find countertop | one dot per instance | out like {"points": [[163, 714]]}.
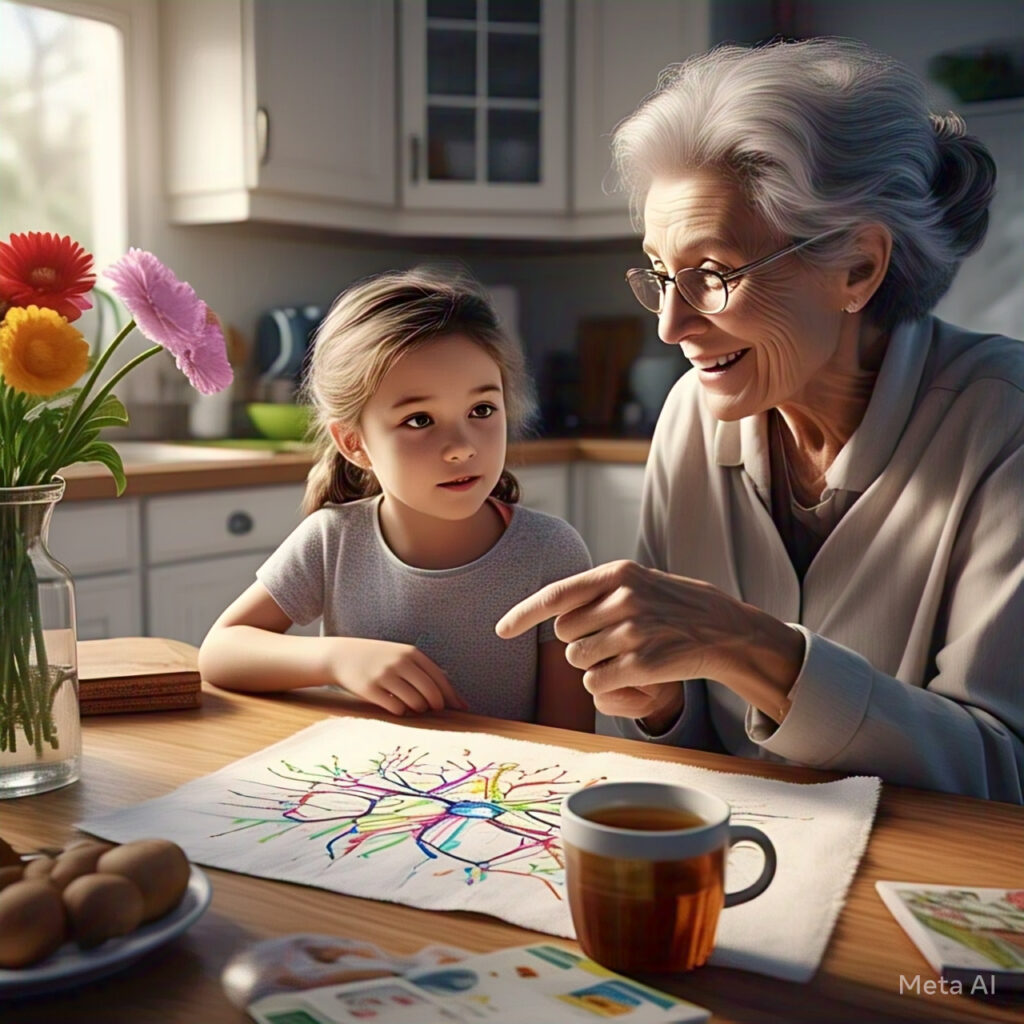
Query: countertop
{"points": [[91, 481]]}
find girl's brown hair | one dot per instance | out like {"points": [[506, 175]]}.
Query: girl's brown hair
{"points": [[368, 329]]}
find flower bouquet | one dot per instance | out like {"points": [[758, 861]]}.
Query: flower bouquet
{"points": [[47, 421]]}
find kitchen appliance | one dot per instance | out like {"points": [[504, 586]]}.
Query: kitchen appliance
{"points": [[283, 339]]}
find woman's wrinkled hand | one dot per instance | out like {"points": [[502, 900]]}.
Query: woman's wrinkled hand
{"points": [[637, 632], [395, 677]]}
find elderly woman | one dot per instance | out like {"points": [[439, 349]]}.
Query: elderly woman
{"points": [[831, 556]]}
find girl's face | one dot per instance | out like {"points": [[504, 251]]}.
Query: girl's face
{"points": [[434, 433], [781, 325]]}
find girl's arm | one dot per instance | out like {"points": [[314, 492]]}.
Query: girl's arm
{"points": [[562, 700], [247, 649]]}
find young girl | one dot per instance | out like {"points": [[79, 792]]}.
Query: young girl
{"points": [[413, 547]]}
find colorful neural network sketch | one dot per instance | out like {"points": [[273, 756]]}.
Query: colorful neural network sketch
{"points": [[478, 819]]}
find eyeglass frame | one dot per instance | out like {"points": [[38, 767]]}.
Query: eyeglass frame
{"points": [[725, 278]]}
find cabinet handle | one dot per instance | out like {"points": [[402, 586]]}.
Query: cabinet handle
{"points": [[262, 135], [414, 158], [240, 523]]}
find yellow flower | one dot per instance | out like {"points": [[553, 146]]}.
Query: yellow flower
{"points": [[40, 352]]}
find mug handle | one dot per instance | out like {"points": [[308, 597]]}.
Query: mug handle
{"points": [[741, 833]]}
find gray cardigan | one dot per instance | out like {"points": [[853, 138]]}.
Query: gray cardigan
{"points": [[913, 609]]}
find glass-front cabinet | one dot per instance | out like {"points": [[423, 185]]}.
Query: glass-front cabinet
{"points": [[484, 118]]}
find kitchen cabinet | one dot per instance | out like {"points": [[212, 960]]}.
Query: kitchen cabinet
{"points": [[280, 111], [606, 507], [285, 111], [618, 50], [484, 105], [169, 565], [100, 545], [545, 488], [204, 549]]}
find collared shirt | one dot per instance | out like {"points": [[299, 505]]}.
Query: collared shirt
{"points": [[912, 610]]}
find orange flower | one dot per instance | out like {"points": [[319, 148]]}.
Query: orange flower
{"points": [[40, 352], [43, 269]]}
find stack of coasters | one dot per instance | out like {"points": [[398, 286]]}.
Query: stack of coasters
{"points": [[139, 673]]}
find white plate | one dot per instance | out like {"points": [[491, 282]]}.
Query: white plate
{"points": [[70, 966]]}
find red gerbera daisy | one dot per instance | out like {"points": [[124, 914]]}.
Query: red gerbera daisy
{"points": [[44, 269]]}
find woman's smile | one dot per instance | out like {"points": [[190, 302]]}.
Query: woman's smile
{"points": [[718, 365]]}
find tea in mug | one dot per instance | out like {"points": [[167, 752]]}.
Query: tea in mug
{"points": [[645, 872], [643, 915], [645, 819]]}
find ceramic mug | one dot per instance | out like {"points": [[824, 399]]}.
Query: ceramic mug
{"points": [[645, 872]]}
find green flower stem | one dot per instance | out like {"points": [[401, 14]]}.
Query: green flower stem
{"points": [[72, 416], [26, 694], [76, 420]]}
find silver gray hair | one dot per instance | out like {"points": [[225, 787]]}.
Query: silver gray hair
{"points": [[822, 134]]}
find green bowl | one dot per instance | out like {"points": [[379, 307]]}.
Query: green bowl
{"points": [[279, 420]]}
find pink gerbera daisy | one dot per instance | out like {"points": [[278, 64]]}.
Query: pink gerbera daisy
{"points": [[46, 270], [169, 312]]}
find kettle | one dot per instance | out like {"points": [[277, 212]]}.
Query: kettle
{"points": [[283, 337]]}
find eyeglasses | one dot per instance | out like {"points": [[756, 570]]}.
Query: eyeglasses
{"points": [[706, 290]]}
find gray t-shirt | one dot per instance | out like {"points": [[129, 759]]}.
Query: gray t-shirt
{"points": [[337, 564]]}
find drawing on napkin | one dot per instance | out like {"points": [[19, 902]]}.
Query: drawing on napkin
{"points": [[458, 816]]}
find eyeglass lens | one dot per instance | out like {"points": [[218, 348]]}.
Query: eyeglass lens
{"points": [[704, 290]]}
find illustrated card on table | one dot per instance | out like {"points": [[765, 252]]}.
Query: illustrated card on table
{"points": [[973, 937], [529, 983]]}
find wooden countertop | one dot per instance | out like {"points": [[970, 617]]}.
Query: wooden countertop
{"points": [[90, 481], [917, 836]]}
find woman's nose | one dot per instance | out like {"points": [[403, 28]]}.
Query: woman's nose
{"points": [[678, 320]]}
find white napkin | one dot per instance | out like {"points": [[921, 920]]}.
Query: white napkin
{"points": [[469, 821]]}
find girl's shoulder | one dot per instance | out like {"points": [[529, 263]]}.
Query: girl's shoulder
{"points": [[549, 538]]}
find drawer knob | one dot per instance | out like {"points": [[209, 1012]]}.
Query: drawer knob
{"points": [[239, 523]]}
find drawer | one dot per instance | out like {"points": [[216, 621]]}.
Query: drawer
{"points": [[96, 536], [220, 522]]}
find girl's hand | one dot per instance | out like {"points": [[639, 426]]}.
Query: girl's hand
{"points": [[637, 632], [395, 677]]}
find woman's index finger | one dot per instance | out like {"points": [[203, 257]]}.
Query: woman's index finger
{"points": [[555, 599]]}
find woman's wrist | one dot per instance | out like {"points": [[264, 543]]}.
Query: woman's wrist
{"points": [[764, 667], [662, 718]]}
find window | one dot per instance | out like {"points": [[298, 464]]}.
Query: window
{"points": [[62, 128]]}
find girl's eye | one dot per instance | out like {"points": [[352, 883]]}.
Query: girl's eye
{"points": [[418, 420], [483, 410]]}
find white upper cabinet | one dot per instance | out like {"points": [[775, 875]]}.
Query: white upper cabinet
{"points": [[459, 118], [619, 49], [484, 105], [279, 110]]}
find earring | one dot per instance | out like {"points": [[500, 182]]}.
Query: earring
{"points": [[851, 307]]}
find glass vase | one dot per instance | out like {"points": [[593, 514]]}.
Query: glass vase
{"points": [[40, 729]]}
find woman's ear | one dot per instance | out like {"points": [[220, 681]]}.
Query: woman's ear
{"points": [[349, 442], [870, 265]]}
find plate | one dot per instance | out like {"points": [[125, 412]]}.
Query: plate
{"points": [[70, 966]]}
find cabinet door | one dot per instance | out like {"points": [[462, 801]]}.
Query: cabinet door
{"points": [[108, 606], [619, 50], [608, 508], [484, 109], [184, 600], [280, 110], [325, 98], [545, 488]]}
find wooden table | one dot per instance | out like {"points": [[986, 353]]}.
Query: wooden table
{"points": [[918, 836]]}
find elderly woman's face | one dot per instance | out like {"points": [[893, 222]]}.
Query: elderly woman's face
{"points": [[781, 324]]}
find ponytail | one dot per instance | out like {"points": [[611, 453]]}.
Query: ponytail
{"points": [[507, 488], [336, 480]]}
